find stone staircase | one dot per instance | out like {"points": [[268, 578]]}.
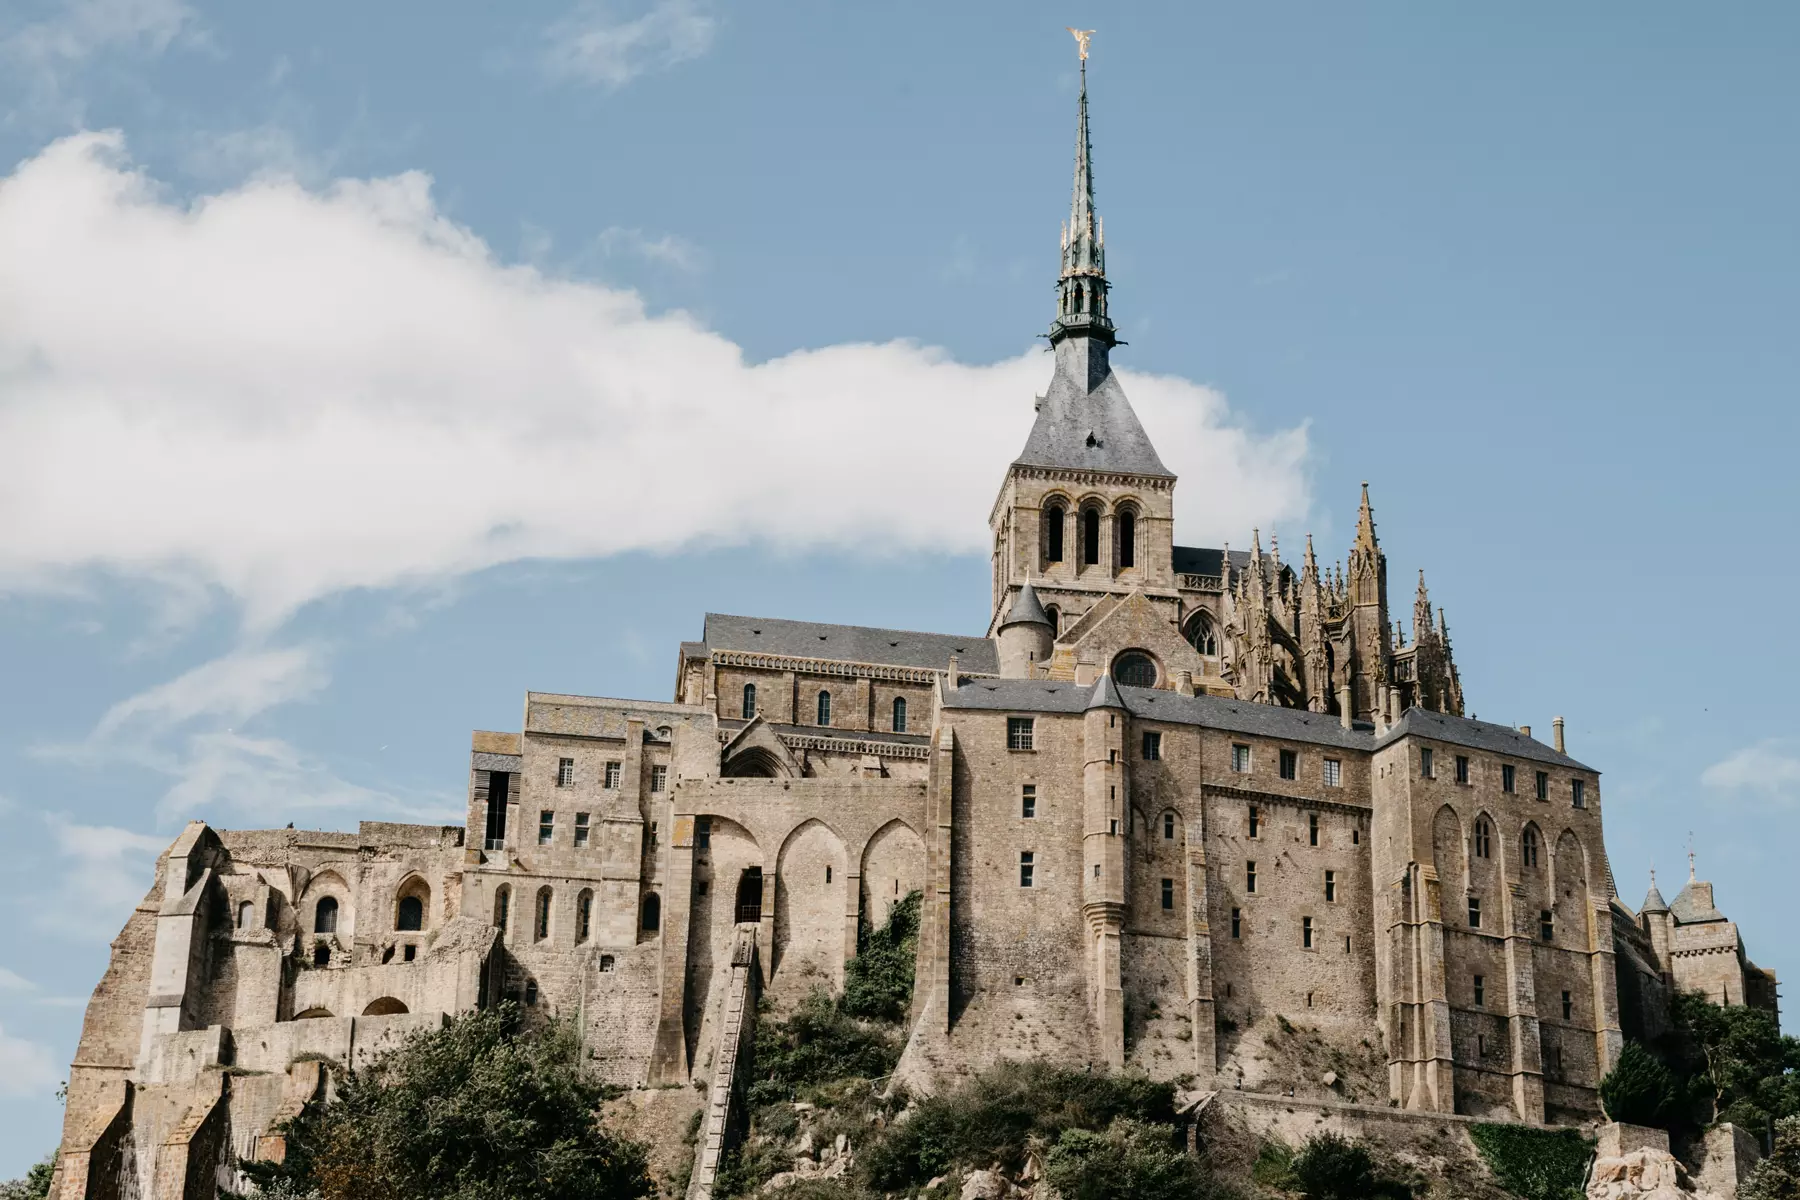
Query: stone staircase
{"points": [[736, 1029]]}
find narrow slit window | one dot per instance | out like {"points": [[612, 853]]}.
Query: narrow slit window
{"points": [[1237, 922], [1250, 876], [1312, 829], [1480, 991], [1578, 792], [1168, 826], [1462, 768], [1425, 762], [1331, 887], [1546, 925], [1290, 764], [824, 713], [1028, 800], [1306, 932], [1027, 868], [749, 708], [1168, 894], [1474, 913], [1543, 785], [899, 714], [546, 827], [581, 829], [1508, 780], [1568, 1006], [1255, 822]]}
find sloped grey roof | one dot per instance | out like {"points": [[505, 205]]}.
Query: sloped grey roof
{"points": [[850, 643], [1026, 609], [1694, 905], [1477, 735], [1203, 560], [1653, 901], [1084, 422], [1019, 695], [1105, 694], [693, 649]]}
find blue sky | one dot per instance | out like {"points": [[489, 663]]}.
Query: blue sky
{"points": [[366, 365]]}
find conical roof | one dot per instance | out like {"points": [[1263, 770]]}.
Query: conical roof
{"points": [[1653, 900], [1105, 694], [1026, 610]]}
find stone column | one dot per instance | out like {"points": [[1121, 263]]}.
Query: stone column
{"points": [[1525, 1062], [1103, 873]]}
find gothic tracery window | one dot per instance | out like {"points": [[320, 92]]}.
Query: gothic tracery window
{"points": [[1203, 636], [1135, 669]]}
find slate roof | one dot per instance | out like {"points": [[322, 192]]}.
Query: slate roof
{"points": [[1477, 735], [1105, 694], [850, 643], [1693, 905], [1203, 560], [1026, 609], [734, 725], [693, 649], [1085, 423], [1653, 901]]}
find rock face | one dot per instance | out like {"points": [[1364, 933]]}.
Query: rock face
{"points": [[1651, 1174]]}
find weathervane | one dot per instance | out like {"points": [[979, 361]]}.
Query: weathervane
{"points": [[1083, 36]]}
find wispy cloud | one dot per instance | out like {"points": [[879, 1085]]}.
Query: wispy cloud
{"points": [[341, 388], [665, 248], [42, 46], [235, 687], [598, 44], [1767, 773], [27, 1068], [12, 981], [107, 870]]}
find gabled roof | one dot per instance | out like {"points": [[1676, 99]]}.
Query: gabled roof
{"points": [[1477, 735], [1694, 905], [850, 643], [1105, 694], [1085, 423]]}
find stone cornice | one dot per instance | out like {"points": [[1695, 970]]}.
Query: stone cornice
{"points": [[831, 745], [1238, 793]]}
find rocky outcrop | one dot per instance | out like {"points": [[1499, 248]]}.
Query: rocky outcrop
{"points": [[1634, 1162]]}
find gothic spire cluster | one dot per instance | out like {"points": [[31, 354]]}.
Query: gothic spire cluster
{"points": [[1081, 290]]}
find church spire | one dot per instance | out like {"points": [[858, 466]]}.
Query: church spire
{"points": [[1081, 289]]}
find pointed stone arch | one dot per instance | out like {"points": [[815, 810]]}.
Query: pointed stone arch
{"points": [[412, 904], [329, 885], [811, 902], [893, 866], [1452, 869], [756, 753]]}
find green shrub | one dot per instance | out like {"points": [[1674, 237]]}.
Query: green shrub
{"points": [[35, 1185], [1330, 1167], [1274, 1167], [1777, 1177], [818, 1043], [989, 1119], [878, 983], [1535, 1164], [1638, 1090], [1129, 1159]]}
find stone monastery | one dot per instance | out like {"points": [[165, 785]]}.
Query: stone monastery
{"points": [[1168, 793]]}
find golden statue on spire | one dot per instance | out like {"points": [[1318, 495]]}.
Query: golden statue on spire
{"points": [[1082, 36]]}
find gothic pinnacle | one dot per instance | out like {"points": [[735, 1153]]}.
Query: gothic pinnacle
{"points": [[1082, 287]]}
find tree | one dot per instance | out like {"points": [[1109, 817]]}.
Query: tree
{"points": [[1638, 1090], [36, 1183], [1777, 1177], [479, 1110], [1131, 1158], [1733, 1063], [1330, 1167]]}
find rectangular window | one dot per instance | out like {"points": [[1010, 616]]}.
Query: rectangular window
{"points": [[1481, 1045], [1290, 764], [1462, 768], [1240, 759], [1250, 876], [1152, 746], [1168, 893], [1474, 913], [1312, 829], [1543, 785], [1425, 762], [1334, 773], [581, 829], [1255, 822], [1028, 800], [702, 832], [1356, 837], [1237, 922], [1096, 870], [565, 772], [1346, 943], [1306, 932], [1578, 792], [1480, 991], [1026, 868], [1018, 733], [1546, 926], [1507, 774], [612, 776], [1568, 1007], [1331, 887], [659, 778], [546, 827]]}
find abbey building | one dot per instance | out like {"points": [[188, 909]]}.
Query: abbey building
{"points": [[1169, 794]]}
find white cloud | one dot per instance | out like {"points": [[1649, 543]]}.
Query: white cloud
{"points": [[594, 44], [109, 871], [666, 248], [12, 981], [267, 780], [39, 55], [281, 393], [234, 688], [1768, 771], [26, 1068]]}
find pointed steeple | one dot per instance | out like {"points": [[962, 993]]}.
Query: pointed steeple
{"points": [[1105, 695], [1081, 290], [1421, 609], [1310, 565], [1653, 899], [1365, 524]]}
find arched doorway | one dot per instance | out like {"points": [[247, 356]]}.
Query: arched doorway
{"points": [[750, 895]]}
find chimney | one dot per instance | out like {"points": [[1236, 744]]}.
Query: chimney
{"points": [[955, 673], [1184, 682], [1346, 712], [1556, 728], [1525, 729]]}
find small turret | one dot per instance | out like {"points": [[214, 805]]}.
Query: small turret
{"points": [[1026, 635]]}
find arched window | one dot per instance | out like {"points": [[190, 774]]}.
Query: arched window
{"points": [[899, 714], [1090, 537], [824, 708], [1080, 299], [1135, 669], [325, 915], [1127, 539], [502, 906], [1055, 615], [1204, 638], [1053, 533], [652, 920], [750, 895], [541, 926], [245, 911], [749, 701], [584, 914], [412, 915]]}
